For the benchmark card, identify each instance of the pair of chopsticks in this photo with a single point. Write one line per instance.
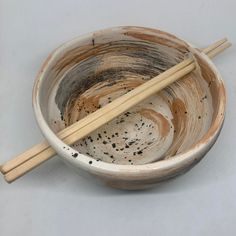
(42, 152)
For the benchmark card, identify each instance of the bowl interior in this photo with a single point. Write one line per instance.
(92, 71)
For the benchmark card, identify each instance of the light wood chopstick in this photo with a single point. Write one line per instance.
(25, 162)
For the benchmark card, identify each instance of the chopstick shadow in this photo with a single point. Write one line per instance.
(56, 176)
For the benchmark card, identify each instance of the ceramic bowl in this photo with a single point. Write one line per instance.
(156, 140)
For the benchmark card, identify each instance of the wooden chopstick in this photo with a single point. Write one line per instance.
(25, 162)
(66, 132)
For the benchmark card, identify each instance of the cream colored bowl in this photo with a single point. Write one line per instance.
(158, 139)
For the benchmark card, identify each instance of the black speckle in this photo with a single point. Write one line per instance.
(205, 97)
(90, 162)
(91, 140)
(185, 112)
(104, 142)
(139, 152)
(199, 117)
(130, 160)
(113, 145)
(75, 154)
(93, 42)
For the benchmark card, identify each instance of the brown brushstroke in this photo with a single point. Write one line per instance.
(80, 106)
(214, 86)
(179, 121)
(152, 38)
(157, 119)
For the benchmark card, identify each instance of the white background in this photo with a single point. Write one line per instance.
(53, 200)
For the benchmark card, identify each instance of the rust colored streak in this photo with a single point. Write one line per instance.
(178, 111)
(179, 121)
(155, 31)
(215, 87)
(155, 39)
(158, 119)
(80, 106)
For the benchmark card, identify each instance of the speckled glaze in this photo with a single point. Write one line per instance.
(158, 139)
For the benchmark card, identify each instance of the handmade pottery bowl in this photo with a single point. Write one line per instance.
(156, 140)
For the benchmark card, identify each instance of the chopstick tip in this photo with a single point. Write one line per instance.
(8, 179)
(224, 39)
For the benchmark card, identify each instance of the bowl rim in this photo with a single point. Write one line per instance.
(194, 154)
